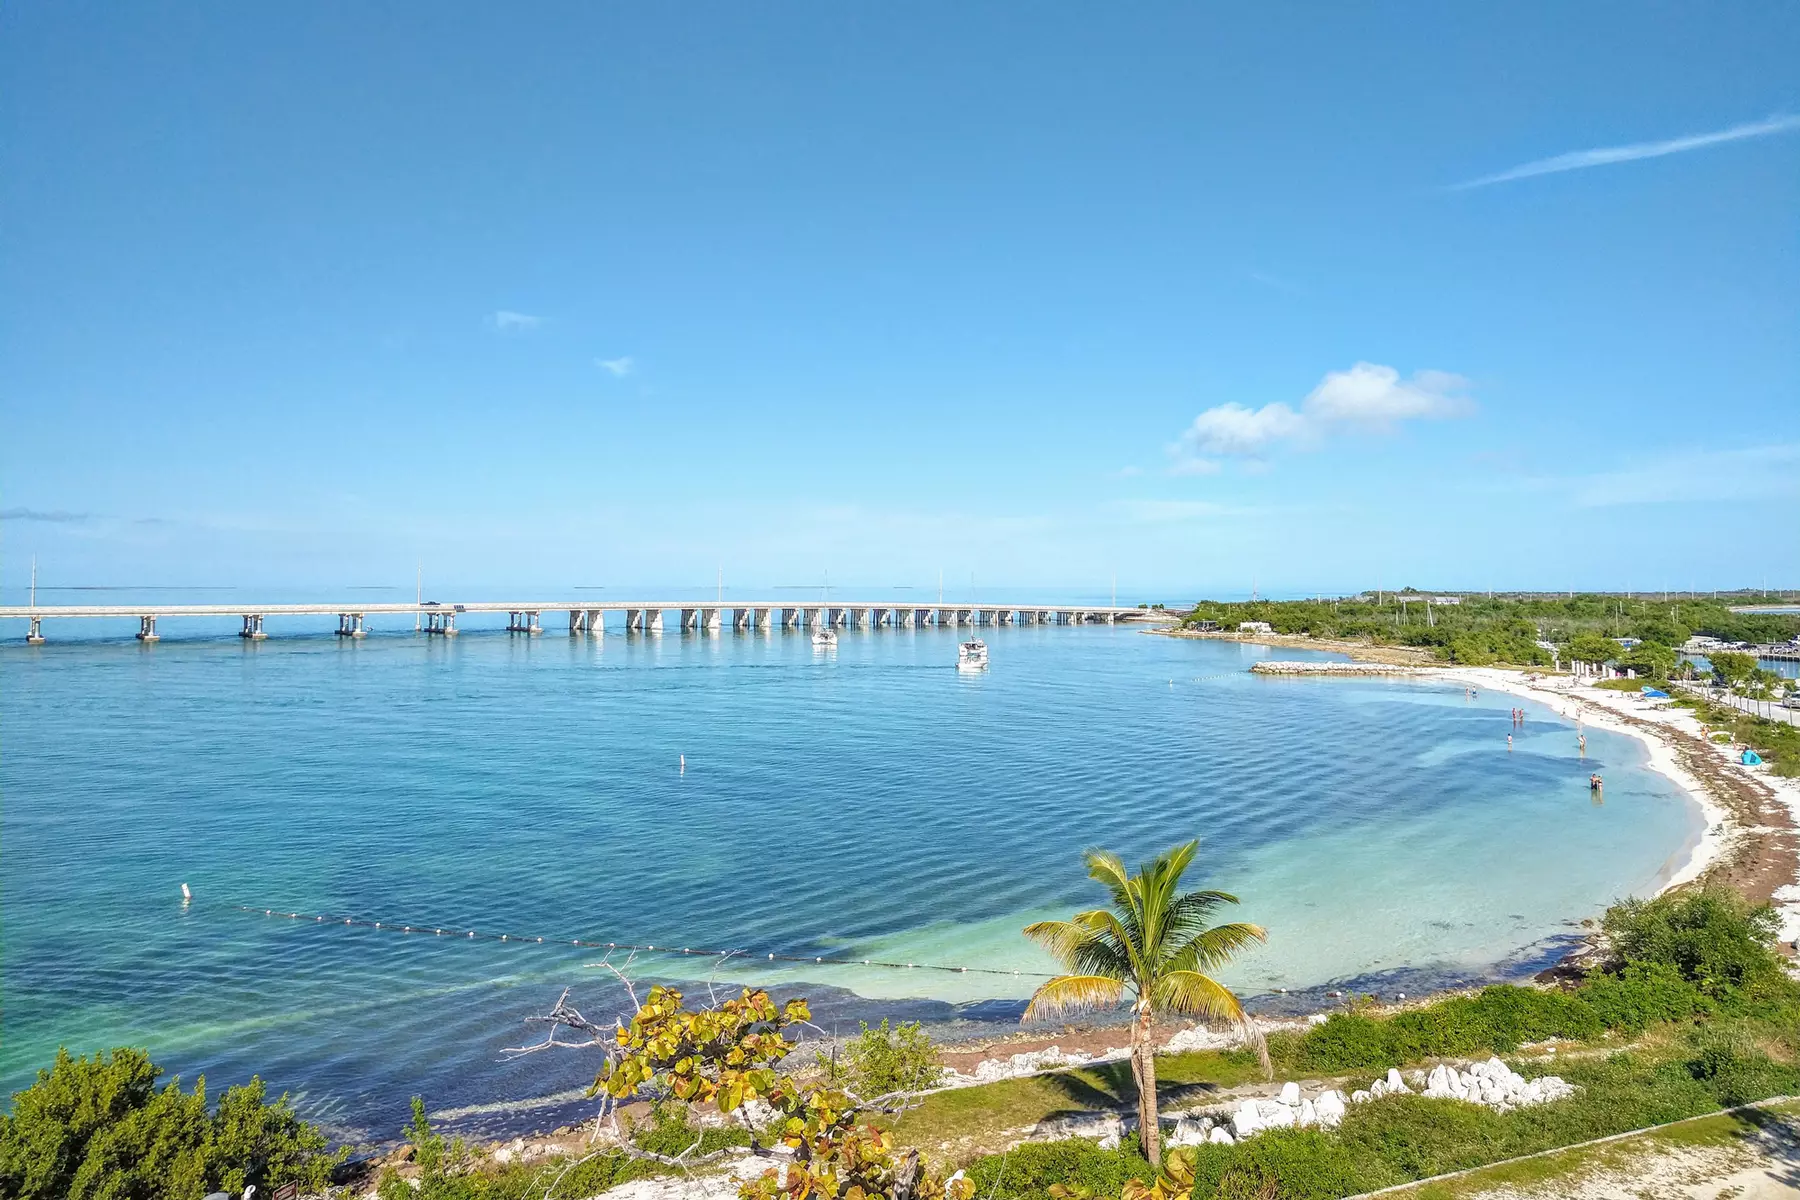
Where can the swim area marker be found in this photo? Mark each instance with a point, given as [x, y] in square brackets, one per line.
[744, 956]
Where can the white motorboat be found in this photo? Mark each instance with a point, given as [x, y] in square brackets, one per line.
[825, 638]
[972, 655]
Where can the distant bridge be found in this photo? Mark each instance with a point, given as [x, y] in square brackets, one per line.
[588, 617]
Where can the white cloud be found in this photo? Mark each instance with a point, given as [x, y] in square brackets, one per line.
[1607, 155]
[1367, 397]
[513, 322]
[619, 367]
[1372, 395]
[1234, 429]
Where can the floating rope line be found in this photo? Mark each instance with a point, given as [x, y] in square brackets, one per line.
[745, 956]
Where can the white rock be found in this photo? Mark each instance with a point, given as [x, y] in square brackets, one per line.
[1187, 1133]
[1220, 1137]
[1290, 1094]
[1309, 1115]
[1099, 1126]
[1196, 1038]
[1330, 1107]
[1377, 1089]
[1269, 1109]
[1281, 1118]
[1361, 1097]
[1394, 1082]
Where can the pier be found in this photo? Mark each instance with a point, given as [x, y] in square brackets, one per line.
[588, 617]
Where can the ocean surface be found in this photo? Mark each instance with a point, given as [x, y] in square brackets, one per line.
[865, 803]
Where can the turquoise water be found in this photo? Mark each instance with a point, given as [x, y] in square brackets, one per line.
[869, 803]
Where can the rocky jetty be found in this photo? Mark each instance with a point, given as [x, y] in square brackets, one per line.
[1333, 668]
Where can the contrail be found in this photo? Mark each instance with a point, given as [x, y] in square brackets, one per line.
[1607, 155]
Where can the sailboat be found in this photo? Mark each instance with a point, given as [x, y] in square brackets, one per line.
[972, 655]
[825, 637]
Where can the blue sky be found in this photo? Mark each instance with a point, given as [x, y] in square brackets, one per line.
[1316, 296]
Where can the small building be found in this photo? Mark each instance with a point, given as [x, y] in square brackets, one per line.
[1255, 627]
[1207, 626]
[1443, 600]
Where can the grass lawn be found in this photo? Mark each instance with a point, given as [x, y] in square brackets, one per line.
[1625, 1156]
[983, 1119]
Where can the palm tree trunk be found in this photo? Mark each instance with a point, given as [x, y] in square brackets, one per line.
[1143, 1061]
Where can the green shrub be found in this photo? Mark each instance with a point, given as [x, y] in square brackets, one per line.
[1642, 995]
[1028, 1172]
[101, 1127]
[1715, 938]
[1495, 1020]
[671, 1130]
[1735, 1069]
[1301, 1164]
[1344, 1042]
[879, 1061]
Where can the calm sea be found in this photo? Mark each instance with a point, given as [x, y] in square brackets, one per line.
[867, 803]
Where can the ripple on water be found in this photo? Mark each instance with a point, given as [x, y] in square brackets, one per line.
[872, 805]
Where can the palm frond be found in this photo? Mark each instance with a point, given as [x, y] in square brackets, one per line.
[1063, 939]
[1105, 868]
[1191, 911]
[1105, 957]
[1213, 948]
[1195, 995]
[1074, 994]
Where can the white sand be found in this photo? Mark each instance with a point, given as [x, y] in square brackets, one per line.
[1602, 708]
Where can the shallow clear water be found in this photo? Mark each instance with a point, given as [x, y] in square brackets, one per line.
[870, 803]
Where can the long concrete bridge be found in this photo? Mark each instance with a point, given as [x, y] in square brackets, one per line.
[588, 617]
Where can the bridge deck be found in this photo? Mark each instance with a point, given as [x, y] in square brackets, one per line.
[48, 611]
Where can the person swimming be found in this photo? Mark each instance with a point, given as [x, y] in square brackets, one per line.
[1594, 782]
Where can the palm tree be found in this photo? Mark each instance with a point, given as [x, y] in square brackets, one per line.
[1154, 940]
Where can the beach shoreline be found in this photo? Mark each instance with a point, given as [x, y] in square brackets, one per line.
[1750, 840]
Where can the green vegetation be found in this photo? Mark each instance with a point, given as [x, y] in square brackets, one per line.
[1480, 629]
[1693, 976]
[101, 1128]
[1776, 741]
[1155, 942]
[448, 1170]
[881, 1061]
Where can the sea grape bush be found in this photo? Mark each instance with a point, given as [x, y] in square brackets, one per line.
[101, 1128]
[727, 1055]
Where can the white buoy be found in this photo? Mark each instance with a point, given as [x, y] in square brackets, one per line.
[684, 764]
[186, 895]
